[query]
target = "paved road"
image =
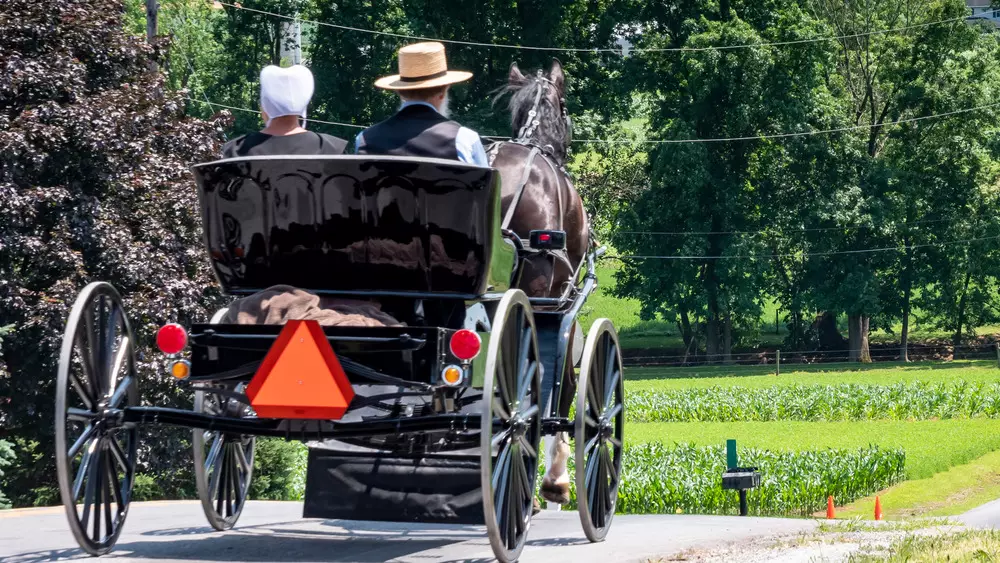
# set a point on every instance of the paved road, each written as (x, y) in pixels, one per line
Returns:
(275, 531)
(983, 516)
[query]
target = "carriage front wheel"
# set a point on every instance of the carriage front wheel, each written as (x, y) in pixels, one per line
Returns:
(95, 449)
(510, 426)
(599, 425)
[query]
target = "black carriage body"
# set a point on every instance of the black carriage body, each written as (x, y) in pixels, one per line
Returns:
(355, 225)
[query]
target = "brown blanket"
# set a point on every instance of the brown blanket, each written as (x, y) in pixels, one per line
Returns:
(281, 303)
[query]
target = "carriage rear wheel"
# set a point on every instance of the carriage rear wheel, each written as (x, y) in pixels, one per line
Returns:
(599, 425)
(95, 449)
(223, 463)
(511, 426)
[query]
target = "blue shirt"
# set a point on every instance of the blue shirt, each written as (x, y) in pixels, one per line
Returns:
(467, 144)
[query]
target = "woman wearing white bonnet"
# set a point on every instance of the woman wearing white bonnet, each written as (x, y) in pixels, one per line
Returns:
(284, 99)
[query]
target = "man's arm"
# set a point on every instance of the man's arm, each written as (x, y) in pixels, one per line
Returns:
(359, 141)
(470, 148)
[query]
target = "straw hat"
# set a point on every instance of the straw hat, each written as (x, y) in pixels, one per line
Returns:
(422, 65)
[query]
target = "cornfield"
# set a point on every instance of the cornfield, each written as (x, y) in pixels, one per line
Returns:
(659, 479)
(901, 401)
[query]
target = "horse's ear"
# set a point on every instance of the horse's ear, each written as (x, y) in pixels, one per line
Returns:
(514, 76)
(556, 74)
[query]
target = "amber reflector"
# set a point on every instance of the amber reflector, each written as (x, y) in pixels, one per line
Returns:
(452, 375)
(180, 369)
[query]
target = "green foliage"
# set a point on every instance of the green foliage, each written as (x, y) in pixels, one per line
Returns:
(6, 458)
(902, 401)
(146, 488)
(931, 446)
(660, 479)
(279, 470)
(94, 184)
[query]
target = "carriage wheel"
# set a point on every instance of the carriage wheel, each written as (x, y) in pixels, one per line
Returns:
(511, 426)
(599, 424)
(95, 450)
(223, 463)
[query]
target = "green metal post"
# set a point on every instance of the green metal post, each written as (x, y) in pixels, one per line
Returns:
(732, 462)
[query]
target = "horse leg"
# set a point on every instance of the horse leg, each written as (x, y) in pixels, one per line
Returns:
(555, 484)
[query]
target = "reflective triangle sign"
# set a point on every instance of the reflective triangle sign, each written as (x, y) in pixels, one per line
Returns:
(300, 377)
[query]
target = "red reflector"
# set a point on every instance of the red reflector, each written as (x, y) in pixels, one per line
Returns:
(544, 237)
(171, 338)
(465, 344)
(300, 377)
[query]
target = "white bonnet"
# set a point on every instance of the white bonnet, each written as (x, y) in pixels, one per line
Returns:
(285, 91)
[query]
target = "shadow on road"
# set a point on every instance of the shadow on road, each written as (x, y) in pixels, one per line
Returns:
(363, 543)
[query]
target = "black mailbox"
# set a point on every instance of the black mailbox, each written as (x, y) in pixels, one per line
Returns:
(741, 479)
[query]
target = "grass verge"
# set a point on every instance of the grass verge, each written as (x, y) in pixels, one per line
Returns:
(665, 379)
(931, 446)
(948, 493)
(965, 546)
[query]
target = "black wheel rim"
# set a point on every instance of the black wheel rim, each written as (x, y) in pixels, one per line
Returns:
(599, 437)
(95, 450)
(223, 463)
(514, 436)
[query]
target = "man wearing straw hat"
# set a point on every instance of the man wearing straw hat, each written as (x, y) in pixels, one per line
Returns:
(421, 126)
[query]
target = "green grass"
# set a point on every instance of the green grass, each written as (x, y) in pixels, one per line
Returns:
(663, 379)
(931, 446)
(957, 547)
(948, 493)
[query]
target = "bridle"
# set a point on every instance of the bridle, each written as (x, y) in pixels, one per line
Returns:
(532, 122)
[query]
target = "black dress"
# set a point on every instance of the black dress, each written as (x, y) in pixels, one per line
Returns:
(262, 144)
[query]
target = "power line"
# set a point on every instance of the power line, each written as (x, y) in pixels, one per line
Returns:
(797, 230)
(679, 141)
(804, 254)
(602, 49)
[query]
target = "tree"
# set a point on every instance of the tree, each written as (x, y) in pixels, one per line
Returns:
(94, 184)
(711, 188)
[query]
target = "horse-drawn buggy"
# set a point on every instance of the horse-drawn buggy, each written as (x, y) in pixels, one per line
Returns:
(435, 416)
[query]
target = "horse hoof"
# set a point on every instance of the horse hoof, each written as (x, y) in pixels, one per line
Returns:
(536, 506)
(555, 492)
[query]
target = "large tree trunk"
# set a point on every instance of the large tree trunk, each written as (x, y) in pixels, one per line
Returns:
(904, 335)
(727, 338)
(712, 344)
(857, 339)
(685, 324)
(962, 302)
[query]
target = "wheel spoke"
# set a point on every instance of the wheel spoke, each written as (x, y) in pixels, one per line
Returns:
(530, 412)
(80, 415)
(500, 408)
(241, 456)
(82, 390)
(615, 441)
(592, 396)
(119, 455)
(98, 472)
(115, 490)
(525, 367)
(611, 387)
(500, 487)
(89, 358)
(614, 412)
(501, 465)
(525, 487)
(82, 472)
(109, 522)
(609, 464)
(528, 449)
(213, 452)
(232, 497)
(589, 480)
(86, 436)
(590, 444)
(121, 391)
(589, 420)
(103, 363)
(499, 437)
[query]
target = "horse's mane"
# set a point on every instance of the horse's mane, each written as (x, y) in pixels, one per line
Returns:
(553, 132)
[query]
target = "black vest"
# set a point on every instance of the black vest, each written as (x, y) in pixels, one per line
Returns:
(416, 130)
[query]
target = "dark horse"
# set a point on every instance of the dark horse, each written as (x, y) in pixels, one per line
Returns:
(538, 194)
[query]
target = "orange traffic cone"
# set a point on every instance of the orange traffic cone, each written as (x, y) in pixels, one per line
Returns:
(878, 508)
(829, 508)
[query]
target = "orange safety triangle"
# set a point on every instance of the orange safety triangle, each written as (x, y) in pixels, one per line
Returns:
(300, 377)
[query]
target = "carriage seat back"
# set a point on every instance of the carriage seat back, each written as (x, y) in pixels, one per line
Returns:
(354, 224)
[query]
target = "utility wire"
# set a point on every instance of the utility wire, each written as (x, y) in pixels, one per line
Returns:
(679, 141)
(596, 49)
(803, 254)
(797, 230)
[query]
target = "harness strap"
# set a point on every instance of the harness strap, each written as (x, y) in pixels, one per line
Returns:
(520, 188)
